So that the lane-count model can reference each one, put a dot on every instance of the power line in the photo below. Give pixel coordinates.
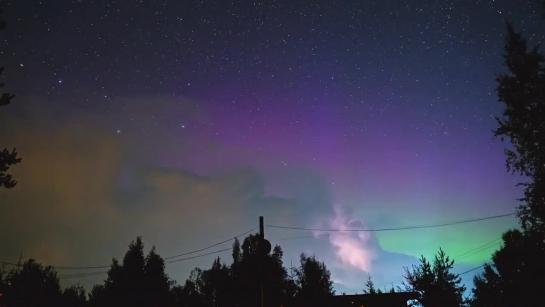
(482, 247)
(286, 227)
(296, 238)
(62, 267)
(81, 275)
(473, 269)
(201, 255)
(210, 246)
(479, 248)
(396, 228)
(65, 267)
(91, 274)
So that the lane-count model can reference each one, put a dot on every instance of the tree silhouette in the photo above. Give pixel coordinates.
(190, 295)
(7, 157)
(522, 91)
(314, 282)
(181, 296)
(74, 297)
(32, 285)
(434, 283)
(370, 287)
(237, 256)
(157, 283)
(256, 269)
(208, 288)
(3, 286)
(216, 286)
(138, 281)
(516, 275)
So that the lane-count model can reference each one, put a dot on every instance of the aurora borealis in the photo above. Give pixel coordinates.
(183, 121)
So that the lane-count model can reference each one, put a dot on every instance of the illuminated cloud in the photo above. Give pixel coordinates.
(352, 248)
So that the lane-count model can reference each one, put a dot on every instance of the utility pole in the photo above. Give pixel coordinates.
(262, 256)
(261, 228)
(264, 249)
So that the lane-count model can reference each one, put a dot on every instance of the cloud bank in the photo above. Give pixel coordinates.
(88, 187)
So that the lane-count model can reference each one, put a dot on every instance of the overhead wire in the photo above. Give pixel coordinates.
(91, 274)
(479, 248)
(465, 221)
(64, 267)
(473, 269)
(210, 246)
(201, 255)
(81, 275)
(176, 258)
(296, 238)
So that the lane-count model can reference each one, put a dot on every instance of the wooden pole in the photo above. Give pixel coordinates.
(262, 237)
(261, 228)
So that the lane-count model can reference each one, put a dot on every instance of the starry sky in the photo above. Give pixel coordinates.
(183, 121)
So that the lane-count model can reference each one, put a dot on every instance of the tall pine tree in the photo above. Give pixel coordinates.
(138, 282)
(522, 91)
(516, 276)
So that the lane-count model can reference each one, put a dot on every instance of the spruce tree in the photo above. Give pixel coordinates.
(435, 283)
(516, 276)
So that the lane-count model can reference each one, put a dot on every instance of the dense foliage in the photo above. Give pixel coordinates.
(140, 280)
(7, 157)
(516, 276)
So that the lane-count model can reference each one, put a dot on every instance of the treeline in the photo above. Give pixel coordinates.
(516, 274)
(141, 280)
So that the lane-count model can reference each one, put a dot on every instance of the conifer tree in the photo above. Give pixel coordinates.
(7, 157)
(435, 283)
(516, 276)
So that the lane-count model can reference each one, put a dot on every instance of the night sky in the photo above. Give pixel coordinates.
(183, 121)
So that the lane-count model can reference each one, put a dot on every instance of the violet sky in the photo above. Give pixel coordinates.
(183, 121)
